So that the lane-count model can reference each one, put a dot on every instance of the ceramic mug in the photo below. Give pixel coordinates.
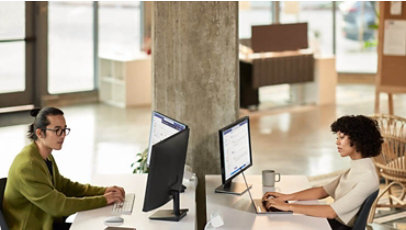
(269, 177)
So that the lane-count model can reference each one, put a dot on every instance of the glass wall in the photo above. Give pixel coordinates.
(356, 37)
(119, 29)
(261, 13)
(12, 47)
(355, 40)
(319, 17)
(355, 25)
(253, 13)
(70, 47)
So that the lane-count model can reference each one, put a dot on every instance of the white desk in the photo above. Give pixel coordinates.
(238, 213)
(94, 219)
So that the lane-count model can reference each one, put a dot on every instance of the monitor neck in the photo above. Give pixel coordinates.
(227, 184)
(176, 202)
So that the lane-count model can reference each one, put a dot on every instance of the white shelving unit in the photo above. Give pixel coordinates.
(125, 81)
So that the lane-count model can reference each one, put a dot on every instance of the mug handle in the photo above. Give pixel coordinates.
(279, 177)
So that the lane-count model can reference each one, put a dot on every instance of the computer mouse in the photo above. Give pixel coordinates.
(113, 220)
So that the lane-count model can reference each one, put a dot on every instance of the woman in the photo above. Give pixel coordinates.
(358, 138)
(37, 196)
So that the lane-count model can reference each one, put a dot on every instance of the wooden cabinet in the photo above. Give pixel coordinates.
(125, 82)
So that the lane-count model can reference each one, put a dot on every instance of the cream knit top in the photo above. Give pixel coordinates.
(350, 189)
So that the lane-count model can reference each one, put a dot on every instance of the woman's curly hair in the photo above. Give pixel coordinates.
(363, 133)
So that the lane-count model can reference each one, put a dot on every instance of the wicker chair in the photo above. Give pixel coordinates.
(391, 163)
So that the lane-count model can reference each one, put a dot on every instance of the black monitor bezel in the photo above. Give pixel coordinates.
(221, 142)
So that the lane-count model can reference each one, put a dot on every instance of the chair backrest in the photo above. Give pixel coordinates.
(361, 221)
(3, 224)
(391, 163)
(391, 125)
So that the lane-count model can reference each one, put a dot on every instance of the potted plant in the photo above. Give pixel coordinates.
(140, 166)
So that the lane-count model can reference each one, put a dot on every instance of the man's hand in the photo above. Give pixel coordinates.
(115, 189)
(114, 194)
(113, 197)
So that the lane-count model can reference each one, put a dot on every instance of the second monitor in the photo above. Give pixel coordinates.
(235, 155)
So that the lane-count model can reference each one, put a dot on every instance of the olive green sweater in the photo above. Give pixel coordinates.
(32, 201)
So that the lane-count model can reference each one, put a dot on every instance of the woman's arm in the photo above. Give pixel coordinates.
(325, 211)
(322, 210)
(308, 194)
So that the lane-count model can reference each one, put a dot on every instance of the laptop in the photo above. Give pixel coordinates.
(259, 207)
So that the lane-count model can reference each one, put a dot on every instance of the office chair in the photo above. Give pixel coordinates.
(3, 224)
(361, 221)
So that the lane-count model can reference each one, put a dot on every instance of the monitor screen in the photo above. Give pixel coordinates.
(235, 147)
(162, 127)
(165, 176)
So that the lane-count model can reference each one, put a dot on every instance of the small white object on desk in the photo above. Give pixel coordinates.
(215, 221)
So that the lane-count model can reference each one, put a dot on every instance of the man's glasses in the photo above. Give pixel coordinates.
(59, 131)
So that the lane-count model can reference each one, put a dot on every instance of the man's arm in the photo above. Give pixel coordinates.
(74, 189)
(35, 186)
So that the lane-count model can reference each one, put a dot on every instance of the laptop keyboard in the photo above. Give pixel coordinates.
(126, 207)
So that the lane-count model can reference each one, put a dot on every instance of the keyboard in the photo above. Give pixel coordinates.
(126, 207)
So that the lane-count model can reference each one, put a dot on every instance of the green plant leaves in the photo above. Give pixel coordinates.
(140, 165)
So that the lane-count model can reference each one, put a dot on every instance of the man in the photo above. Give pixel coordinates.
(37, 196)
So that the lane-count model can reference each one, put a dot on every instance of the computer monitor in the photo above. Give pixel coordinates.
(165, 176)
(235, 155)
(162, 127)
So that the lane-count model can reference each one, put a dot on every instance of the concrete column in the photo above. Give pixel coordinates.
(195, 76)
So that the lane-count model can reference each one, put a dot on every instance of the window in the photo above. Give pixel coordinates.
(318, 15)
(119, 29)
(356, 41)
(12, 47)
(253, 13)
(70, 47)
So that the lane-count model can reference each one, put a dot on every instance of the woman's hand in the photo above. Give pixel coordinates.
(276, 203)
(275, 195)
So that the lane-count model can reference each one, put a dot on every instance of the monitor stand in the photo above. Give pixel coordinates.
(236, 188)
(171, 215)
